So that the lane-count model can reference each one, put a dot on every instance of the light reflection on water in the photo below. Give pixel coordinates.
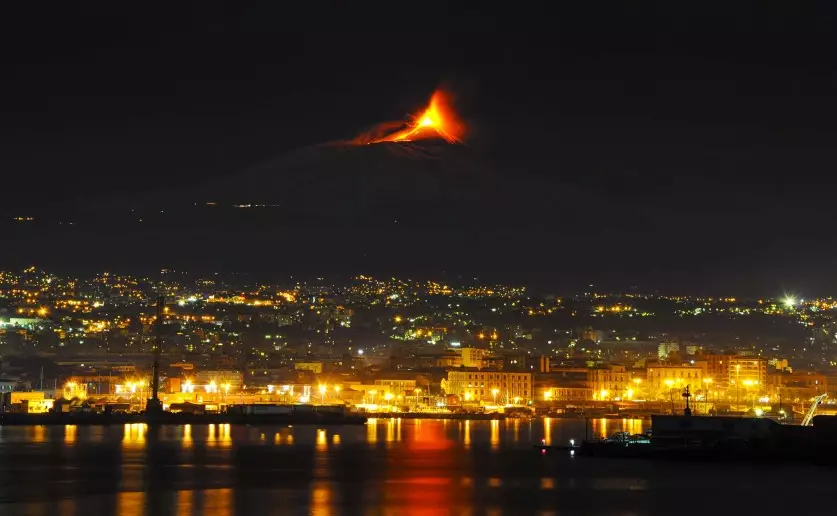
(388, 466)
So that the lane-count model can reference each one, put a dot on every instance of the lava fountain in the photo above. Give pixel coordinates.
(438, 120)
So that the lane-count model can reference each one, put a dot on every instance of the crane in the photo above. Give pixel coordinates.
(809, 416)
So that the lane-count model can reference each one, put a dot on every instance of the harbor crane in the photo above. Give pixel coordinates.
(809, 416)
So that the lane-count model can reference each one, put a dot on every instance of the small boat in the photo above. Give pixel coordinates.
(543, 447)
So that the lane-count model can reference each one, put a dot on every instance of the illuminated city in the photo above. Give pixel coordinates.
(399, 346)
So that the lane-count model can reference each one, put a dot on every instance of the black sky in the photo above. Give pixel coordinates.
(687, 147)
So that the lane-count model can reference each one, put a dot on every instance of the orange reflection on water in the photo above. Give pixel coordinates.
(70, 434)
(130, 503)
(134, 434)
(466, 440)
(187, 436)
(371, 430)
(547, 431)
(224, 435)
(322, 498)
(632, 426)
(37, 434)
(336, 439)
(322, 440)
(390, 438)
(495, 434)
(601, 427)
(185, 503)
(67, 508)
(418, 472)
(218, 502)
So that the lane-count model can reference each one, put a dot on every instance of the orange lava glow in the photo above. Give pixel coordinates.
(438, 120)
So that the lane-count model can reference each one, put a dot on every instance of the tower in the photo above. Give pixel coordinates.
(154, 406)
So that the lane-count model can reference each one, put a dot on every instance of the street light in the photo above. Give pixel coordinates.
(707, 381)
(637, 382)
(418, 391)
(322, 393)
(494, 392)
(669, 382)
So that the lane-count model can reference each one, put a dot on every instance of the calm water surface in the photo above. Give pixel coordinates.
(386, 467)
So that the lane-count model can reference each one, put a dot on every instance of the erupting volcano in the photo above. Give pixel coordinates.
(438, 120)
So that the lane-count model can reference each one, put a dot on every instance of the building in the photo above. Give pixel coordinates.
(610, 383)
(667, 348)
(235, 379)
(717, 369)
(396, 386)
(490, 386)
(562, 385)
(747, 371)
(314, 367)
(475, 357)
(41, 406)
(8, 385)
(661, 380)
(795, 387)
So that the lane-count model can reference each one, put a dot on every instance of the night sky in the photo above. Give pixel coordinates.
(612, 144)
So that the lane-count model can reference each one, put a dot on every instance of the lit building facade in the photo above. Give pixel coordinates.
(610, 383)
(235, 379)
(747, 372)
(397, 386)
(661, 379)
(475, 357)
(490, 386)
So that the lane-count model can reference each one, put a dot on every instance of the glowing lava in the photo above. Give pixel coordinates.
(437, 121)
